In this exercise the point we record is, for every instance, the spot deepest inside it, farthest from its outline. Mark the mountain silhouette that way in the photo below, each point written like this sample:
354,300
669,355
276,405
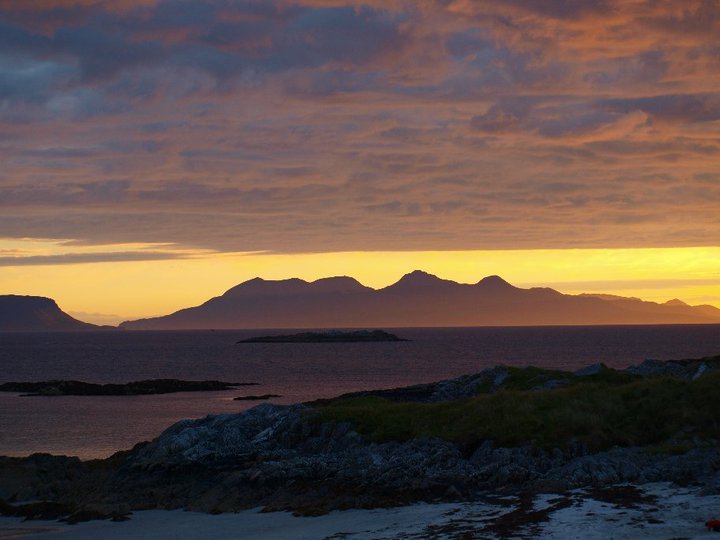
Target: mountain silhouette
259,286
417,299
36,314
420,280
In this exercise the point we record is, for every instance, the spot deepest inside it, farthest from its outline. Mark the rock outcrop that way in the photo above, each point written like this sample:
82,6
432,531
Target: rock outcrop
461,387
287,458
687,370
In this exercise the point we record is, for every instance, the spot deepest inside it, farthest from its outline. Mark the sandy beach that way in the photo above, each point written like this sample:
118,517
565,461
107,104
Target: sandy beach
664,511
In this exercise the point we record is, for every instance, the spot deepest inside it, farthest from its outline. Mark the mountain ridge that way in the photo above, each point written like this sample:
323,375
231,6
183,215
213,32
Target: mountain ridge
295,285
20,313
417,299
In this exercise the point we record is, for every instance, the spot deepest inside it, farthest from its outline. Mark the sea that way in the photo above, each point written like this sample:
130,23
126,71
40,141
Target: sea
98,426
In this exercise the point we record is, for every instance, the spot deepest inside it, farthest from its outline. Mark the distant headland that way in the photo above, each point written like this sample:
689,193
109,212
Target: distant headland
37,314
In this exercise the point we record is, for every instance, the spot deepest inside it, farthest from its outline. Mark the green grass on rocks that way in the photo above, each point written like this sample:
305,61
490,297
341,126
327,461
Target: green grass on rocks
608,409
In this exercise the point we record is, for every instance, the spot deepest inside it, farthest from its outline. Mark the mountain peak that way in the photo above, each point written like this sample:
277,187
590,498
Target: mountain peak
419,274
294,286
265,286
337,284
676,302
418,278
494,282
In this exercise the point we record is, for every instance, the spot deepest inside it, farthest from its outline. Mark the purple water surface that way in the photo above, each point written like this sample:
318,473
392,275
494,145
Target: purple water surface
98,426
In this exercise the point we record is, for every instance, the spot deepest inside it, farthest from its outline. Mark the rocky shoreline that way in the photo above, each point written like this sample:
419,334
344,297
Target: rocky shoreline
288,458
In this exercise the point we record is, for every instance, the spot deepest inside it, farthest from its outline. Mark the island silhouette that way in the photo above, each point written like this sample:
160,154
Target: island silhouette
418,299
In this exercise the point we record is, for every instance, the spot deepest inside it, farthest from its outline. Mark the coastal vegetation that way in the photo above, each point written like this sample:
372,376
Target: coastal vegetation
515,431
606,409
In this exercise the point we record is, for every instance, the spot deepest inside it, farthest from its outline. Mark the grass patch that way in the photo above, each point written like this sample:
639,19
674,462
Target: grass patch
601,411
531,377
527,378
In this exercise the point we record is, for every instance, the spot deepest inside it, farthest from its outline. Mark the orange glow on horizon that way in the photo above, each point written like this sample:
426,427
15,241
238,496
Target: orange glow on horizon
108,292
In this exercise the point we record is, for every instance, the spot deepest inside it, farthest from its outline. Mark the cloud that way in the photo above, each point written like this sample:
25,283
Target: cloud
313,125
224,39
76,258
671,108
48,5
507,114
564,9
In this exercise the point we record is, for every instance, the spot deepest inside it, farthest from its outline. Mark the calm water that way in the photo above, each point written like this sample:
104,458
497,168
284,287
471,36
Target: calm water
98,426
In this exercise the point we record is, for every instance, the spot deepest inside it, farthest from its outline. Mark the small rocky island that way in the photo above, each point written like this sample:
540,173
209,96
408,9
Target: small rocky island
137,388
261,397
333,336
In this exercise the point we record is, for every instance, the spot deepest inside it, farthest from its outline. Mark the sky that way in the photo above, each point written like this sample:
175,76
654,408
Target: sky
156,152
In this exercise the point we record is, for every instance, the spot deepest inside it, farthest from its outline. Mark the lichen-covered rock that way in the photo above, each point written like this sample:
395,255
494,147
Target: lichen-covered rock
227,435
687,370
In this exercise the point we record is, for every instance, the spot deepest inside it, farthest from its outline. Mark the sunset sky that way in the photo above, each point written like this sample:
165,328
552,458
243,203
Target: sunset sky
155,153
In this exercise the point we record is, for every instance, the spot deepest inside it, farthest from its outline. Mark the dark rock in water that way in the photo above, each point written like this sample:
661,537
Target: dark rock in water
334,336
256,398
137,388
